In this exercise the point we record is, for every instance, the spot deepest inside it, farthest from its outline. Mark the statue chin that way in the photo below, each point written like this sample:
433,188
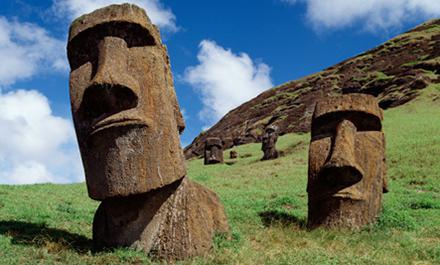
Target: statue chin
115,159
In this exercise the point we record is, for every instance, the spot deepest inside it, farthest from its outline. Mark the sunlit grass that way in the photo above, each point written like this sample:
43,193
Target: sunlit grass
266,203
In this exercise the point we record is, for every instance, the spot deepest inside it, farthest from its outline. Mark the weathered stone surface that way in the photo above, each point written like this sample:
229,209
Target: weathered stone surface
228,142
233,154
172,223
346,162
127,122
268,143
124,105
245,139
213,151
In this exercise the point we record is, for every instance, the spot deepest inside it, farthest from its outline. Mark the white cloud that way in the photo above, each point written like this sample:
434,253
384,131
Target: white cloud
374,15
225,80
159,15
35,145
26,49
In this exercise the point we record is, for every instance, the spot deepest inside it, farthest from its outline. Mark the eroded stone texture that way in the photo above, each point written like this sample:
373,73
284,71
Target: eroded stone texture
346,162
123,102
268,143
127,122
228,142
175,222
213,151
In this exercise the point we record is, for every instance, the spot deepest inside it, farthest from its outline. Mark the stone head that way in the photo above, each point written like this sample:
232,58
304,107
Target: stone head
346,161
124,106
213,150
268,143
270,137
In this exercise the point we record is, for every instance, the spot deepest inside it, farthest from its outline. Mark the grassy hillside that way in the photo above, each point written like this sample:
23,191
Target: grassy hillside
395,72
266,203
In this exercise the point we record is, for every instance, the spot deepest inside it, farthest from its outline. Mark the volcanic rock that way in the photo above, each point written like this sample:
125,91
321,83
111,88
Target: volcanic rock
391,72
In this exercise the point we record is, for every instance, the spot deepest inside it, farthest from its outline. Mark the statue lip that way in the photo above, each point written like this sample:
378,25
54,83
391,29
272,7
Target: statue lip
116,121
352,195
348,194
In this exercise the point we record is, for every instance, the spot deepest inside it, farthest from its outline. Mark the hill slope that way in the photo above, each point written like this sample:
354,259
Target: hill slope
266,203
395,72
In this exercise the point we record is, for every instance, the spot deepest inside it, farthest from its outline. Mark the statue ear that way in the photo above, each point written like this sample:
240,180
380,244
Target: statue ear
177,113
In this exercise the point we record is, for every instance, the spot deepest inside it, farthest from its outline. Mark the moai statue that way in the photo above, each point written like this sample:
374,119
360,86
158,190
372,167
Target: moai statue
268,143
213,151
346,162
127,122
233,154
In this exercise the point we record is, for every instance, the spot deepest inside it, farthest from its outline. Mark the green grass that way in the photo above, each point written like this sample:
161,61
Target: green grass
372,77
266,203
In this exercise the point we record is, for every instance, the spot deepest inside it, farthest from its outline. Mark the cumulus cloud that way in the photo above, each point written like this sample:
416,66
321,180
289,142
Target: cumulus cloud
159,15
35,145
225,80
373,14
26,49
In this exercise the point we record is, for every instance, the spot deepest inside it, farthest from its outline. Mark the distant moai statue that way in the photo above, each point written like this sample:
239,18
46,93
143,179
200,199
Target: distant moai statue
233,154
127,122
213,151
268,143
346,162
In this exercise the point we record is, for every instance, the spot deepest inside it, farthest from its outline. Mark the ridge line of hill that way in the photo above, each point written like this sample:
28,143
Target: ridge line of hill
395,72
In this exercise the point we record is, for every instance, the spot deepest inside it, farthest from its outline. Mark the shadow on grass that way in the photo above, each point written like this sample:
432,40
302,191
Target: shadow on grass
270,218
24,233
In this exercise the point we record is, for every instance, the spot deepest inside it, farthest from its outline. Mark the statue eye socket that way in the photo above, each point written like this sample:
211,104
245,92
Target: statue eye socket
84,47
325,126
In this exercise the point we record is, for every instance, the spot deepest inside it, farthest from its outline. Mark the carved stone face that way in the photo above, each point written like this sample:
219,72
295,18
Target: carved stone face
268,143
213,151
124,106
346,162
270,138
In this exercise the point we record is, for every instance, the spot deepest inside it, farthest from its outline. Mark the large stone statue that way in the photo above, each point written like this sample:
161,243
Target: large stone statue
268,143
127,122
213,151
346,162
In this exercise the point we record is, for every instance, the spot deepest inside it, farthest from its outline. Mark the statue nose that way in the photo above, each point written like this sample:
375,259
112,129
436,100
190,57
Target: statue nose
341,169
112,69
112,88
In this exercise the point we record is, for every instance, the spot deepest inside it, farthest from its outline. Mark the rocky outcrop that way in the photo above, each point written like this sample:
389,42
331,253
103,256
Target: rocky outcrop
394,72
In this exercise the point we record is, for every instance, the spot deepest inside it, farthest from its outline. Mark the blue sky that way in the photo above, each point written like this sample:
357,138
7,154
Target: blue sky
223,53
